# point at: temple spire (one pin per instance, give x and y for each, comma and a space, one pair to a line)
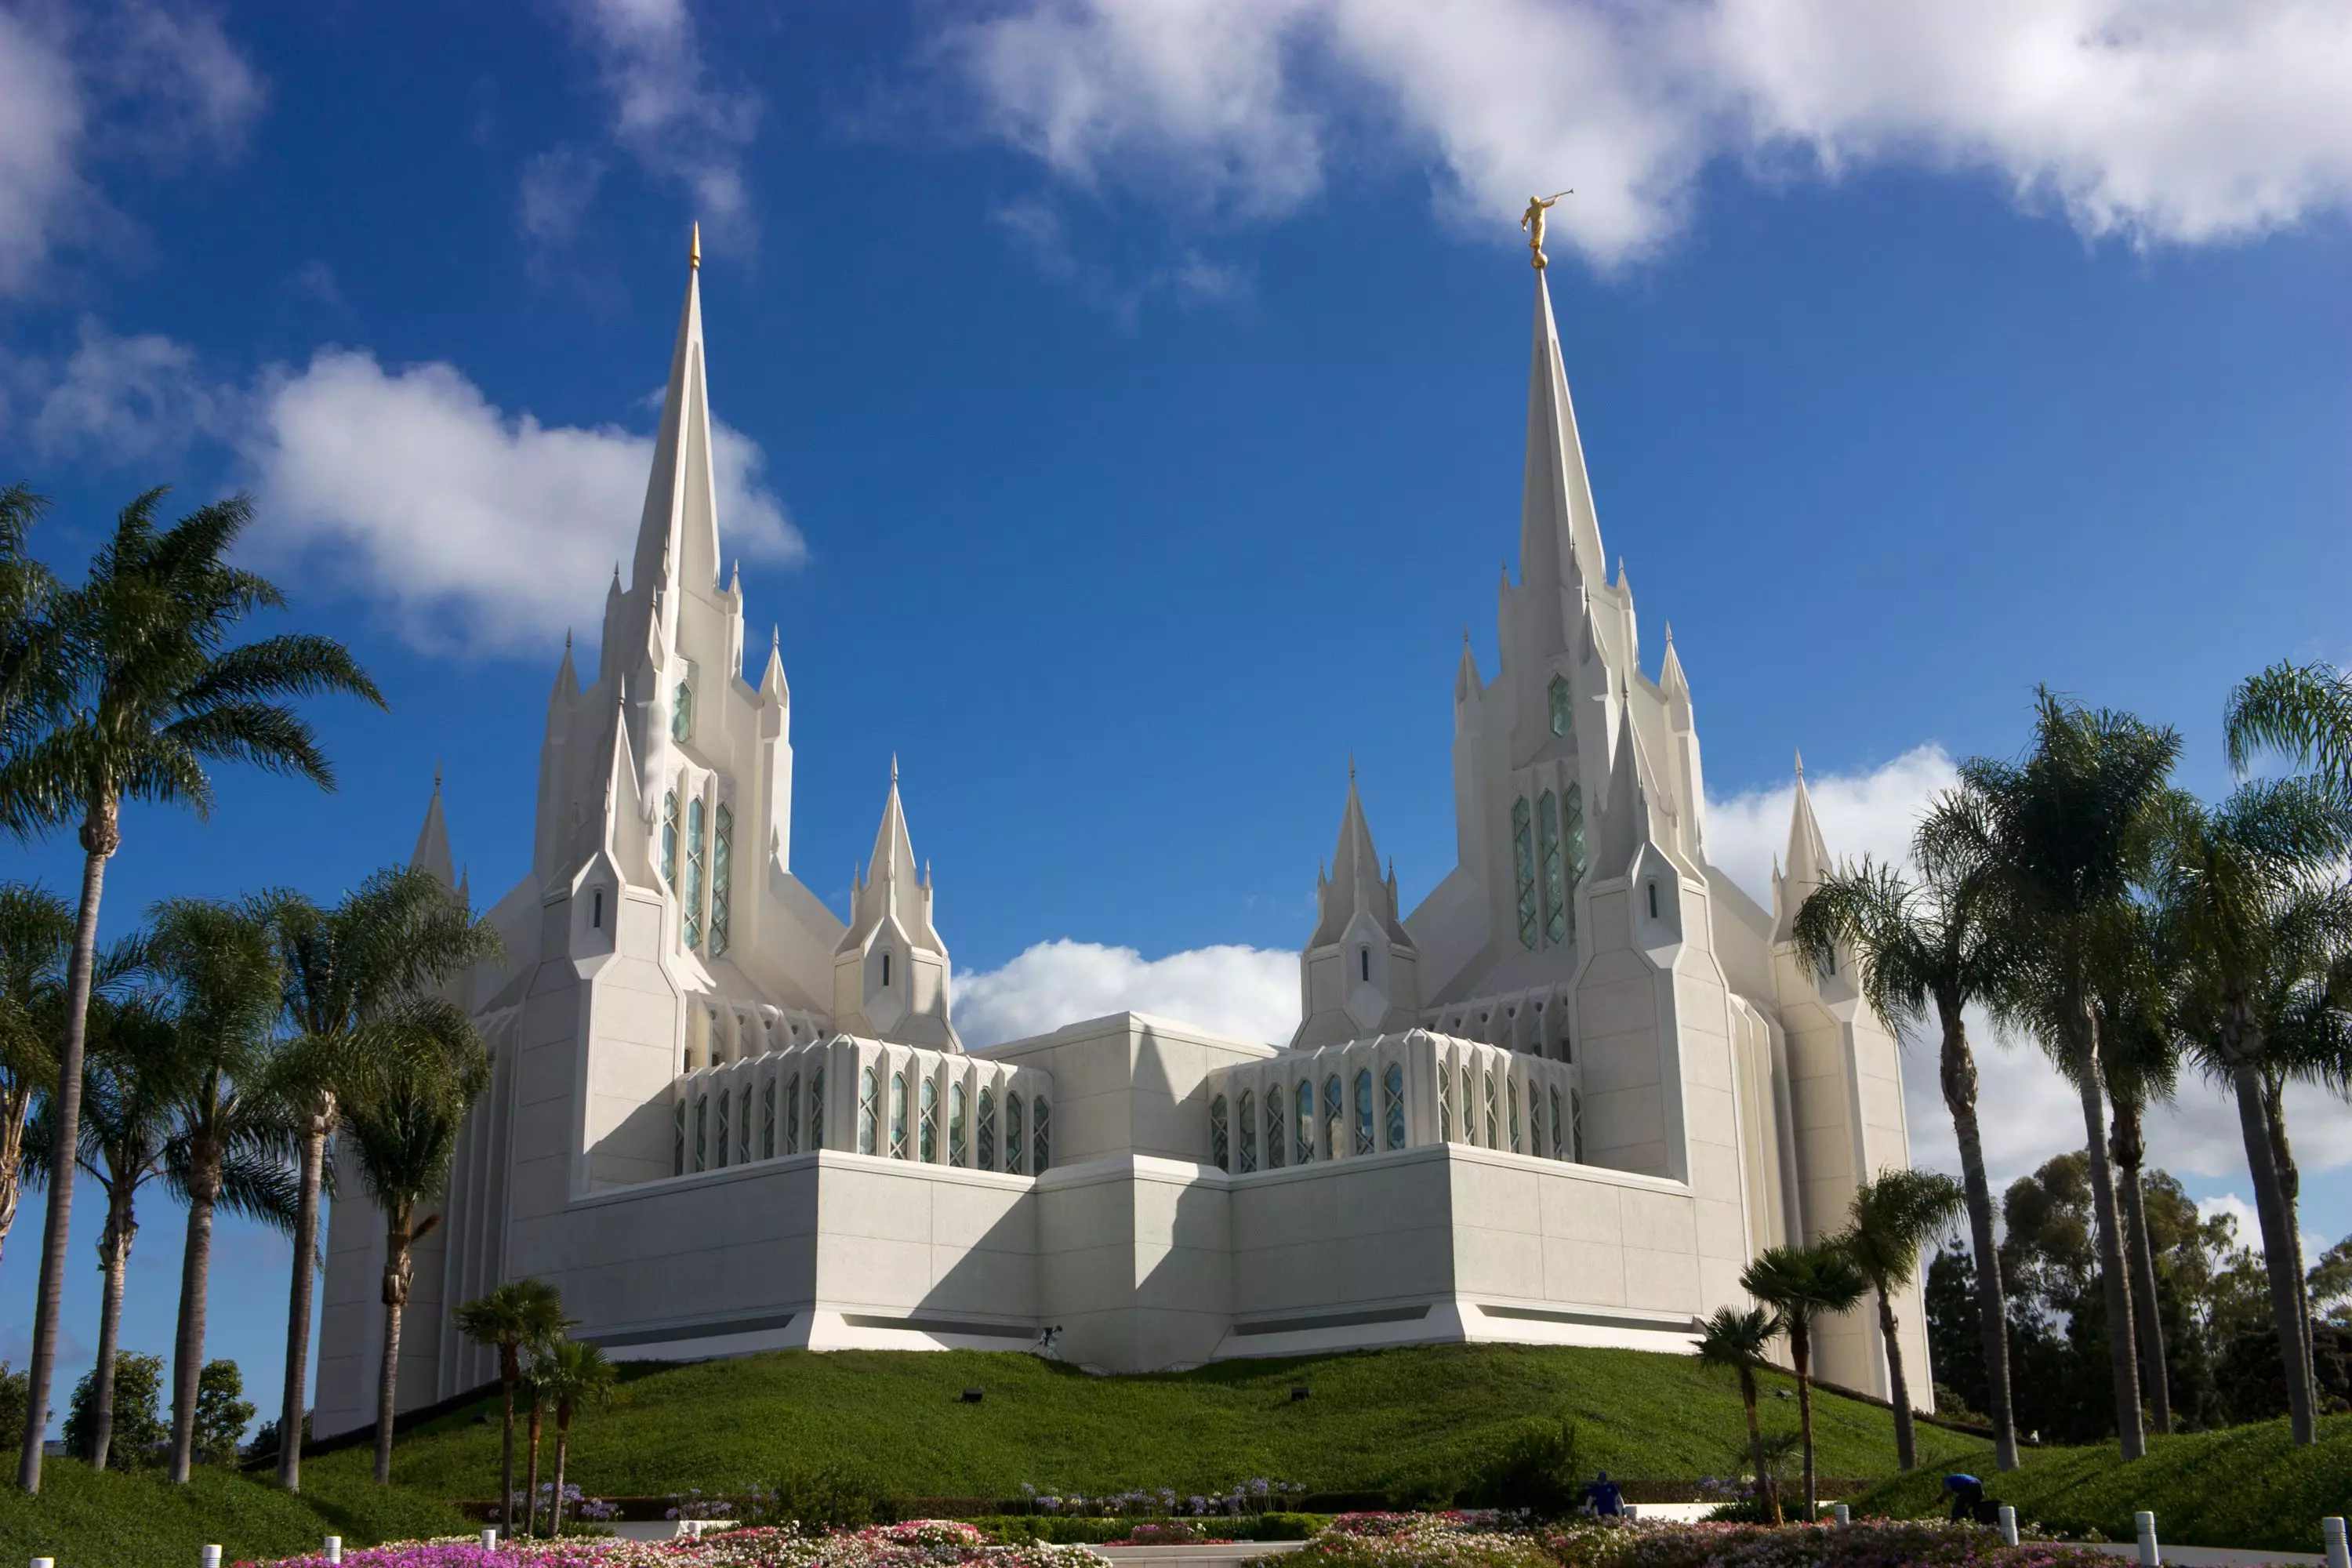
1559, 536
678, 531
431, 854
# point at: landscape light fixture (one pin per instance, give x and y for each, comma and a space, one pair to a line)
971, 1397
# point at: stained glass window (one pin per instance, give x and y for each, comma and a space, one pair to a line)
1555, 877
677, 1140
1494, 1126
1558, 1131
816, 1111
1511, 1096
1363, 1111
1444, 1105
1523, 865
898, 1116
986, 1141
1306, 1122
1559, 714
719, 1151
956, 1128
1571, 812
1040, 1145
1392, 1103
768, 1119
723, 874
1277, 1137
681, 710
1247, 1123
792, 1115
701, 1131
692, 917
669, 838
926, 1130
1219, 1155
1014, 1118
869, 1110
1576, 1127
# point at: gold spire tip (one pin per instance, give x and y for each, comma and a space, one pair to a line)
694, 247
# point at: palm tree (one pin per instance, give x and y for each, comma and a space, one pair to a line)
517, 1316
36, 935
1889, 1221
137, 1073
571, 1375
2139, 1057
1801, 1284
534, 1397
352, 972
232, 1138
2251, 916
2069, 830
1938, 942
401, 1112
1739, 1340
158, 692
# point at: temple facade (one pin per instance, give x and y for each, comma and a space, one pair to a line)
1565, 1100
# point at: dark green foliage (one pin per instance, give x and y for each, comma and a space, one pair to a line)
830, 1498
223, 1413
14, 1399
1538, 1471
139, 1425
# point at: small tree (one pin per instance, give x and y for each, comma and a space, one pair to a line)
1890, 1220
1737, 1340
138, 1426
1803, 1283
518, 1317
223, 1413
573, 1376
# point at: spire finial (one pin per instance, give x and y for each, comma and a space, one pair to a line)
1465, 633
1532, 224
437, 776
894, 770
776, 636
567, 639
1352, 767
694, 249
1670, 634
1800, 762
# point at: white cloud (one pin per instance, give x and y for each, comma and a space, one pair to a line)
667, 110
480, 531
128, 399
2178, 120
81, 87
1861, 814
1251, 993
557, 188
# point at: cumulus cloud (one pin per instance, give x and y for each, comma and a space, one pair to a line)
1869, 813
2151, 119
82, 87
480, 530
120, 400
1251, 993
668, 110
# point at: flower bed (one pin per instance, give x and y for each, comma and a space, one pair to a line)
920, 1543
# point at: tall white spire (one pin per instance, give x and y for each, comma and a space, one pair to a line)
1359, 972
678, 534
891, 971
1806, 865
431, 854
1559, 535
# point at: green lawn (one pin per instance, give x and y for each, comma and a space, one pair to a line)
112, 1519
2245, 1487
1381, 1419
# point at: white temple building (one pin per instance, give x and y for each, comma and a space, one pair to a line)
1564, 1101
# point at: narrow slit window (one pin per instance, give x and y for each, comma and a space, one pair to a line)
744, 1125
1364, 964
723, 874
1571, 829
1218, 1154
1558, 1132
1555, 871
1494, 1122
1576, 1126
1653, 901
1523, 866
681, 710
885, 971
691, 904
1511, 1098
597, 909
1444, 1104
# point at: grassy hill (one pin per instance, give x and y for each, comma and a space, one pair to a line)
1381, 1419
2244, 1486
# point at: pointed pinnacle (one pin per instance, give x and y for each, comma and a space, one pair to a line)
694, 249
894, 770
775, 635
567, 639
1800, 762
437, 776
1670, 634
1352, 767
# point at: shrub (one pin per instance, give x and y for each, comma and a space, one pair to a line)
138, 1386
16, 1395
1536, 1472
222, 1412
827, 1498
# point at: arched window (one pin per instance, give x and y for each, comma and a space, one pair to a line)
869, 1110
1247, 1121
927, 1129
1364, 964
681, 710
1218, 1154
984, 1142
669, 839
1013, 1122
1576, 1127
692, 899
1572, 830
898, 1116
768, 1119
702, 1131
1277, 1135
719, 1151
1363, 1111
723, 874
792, 1114
1306, 1122
816, 1111
1494, 1122
1555, 872
956, 1128
1511, 1095
1559, 1131
1523, 866
1041, 1144
1392, 1103
678, 1138
1559, 714
1444, 1104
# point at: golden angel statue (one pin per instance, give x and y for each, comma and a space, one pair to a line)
1531, 223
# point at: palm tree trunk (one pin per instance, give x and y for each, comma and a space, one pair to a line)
397, 1267
2123, 1364
297, 1306
1800, 1350
196, 1268
1960, 1080
507, 1372
562, 1444
1906, 1434
1767, 1504
2270, 1208
115, 1259
531, 1474
2290, 1181
2129, 1149
101, 833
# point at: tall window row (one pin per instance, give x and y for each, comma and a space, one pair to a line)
1547, 859
706, 894
1300, 1125
737, 1117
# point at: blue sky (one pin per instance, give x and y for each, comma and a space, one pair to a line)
1130, 406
